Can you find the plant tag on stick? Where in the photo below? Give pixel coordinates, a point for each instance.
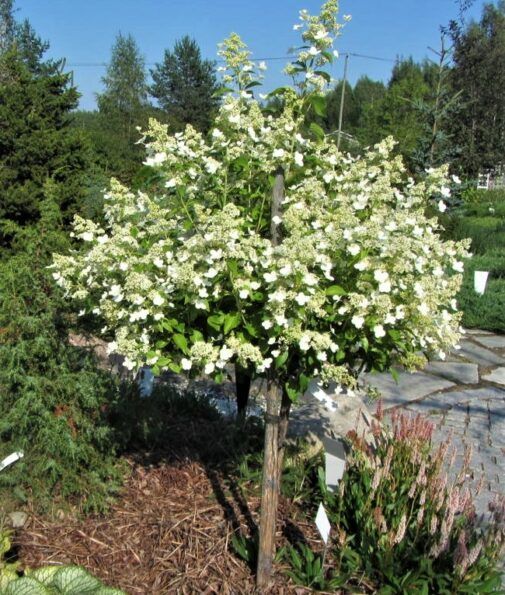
(322, 523)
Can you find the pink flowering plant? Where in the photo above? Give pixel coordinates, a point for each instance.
(405, 525)
(266, 247)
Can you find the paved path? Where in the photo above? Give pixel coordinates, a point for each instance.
(464, 395)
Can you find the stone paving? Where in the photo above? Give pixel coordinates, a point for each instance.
(465, 396)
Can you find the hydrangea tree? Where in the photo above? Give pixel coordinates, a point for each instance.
(266, 247)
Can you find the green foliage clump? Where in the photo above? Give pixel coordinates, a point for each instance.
(53, 398)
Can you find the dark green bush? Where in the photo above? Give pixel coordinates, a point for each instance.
(486, 233)
(476, 196)
(53, 398)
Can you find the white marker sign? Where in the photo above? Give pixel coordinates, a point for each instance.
(12, 458)
(480, 281)
(323, 524)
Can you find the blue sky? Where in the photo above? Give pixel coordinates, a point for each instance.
(83, 31)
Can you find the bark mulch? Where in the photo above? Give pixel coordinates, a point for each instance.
(169, 532)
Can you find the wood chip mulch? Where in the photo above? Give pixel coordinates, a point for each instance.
(169, 532)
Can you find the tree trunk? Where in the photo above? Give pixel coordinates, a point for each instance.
(283, 429)
(270, 487)
(242, 388)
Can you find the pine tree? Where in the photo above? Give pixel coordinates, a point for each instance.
(184, 85)
(36, 144)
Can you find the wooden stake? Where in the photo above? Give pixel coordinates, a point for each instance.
(271, 473)
(270, 487)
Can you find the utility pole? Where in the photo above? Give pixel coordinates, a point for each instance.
(342, 98)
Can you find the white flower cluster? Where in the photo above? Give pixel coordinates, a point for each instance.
(189, 279)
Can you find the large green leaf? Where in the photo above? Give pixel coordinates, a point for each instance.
(45, 574)
(231, 321)
(27, 586)
(181, 342)
(215, 321)
(335, 290)
(317, 131)
(73, 580)
(319, 104)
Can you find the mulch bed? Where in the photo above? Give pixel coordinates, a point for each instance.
(169, 532)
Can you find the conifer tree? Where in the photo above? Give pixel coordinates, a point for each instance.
(122, 107)
(36, 140)
(185, 85)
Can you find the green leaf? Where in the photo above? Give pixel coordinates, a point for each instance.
(395, 375)
(253, 84)
(169, 324)
(222, 91)
(215, 321)
(324, 75)
(319, 104)
(281, 359)
(317, 131)
(27, 586)
(161, 344)
(233, 267)
(279, 91)
(73, 580)
(45, 574)
(181, 342)
(291, 392)
(231, 321)
(335, 290)
(196, 336)
(251, 330)
(174, 367)
(303, 383)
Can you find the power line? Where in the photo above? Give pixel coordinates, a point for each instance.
(266, 59)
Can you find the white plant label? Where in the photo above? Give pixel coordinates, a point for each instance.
(480, 281)
(323, 523)
(12, 458)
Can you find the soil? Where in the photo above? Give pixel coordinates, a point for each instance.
(169, 532)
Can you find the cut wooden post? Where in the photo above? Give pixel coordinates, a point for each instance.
(275, 402)
(270, 487)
